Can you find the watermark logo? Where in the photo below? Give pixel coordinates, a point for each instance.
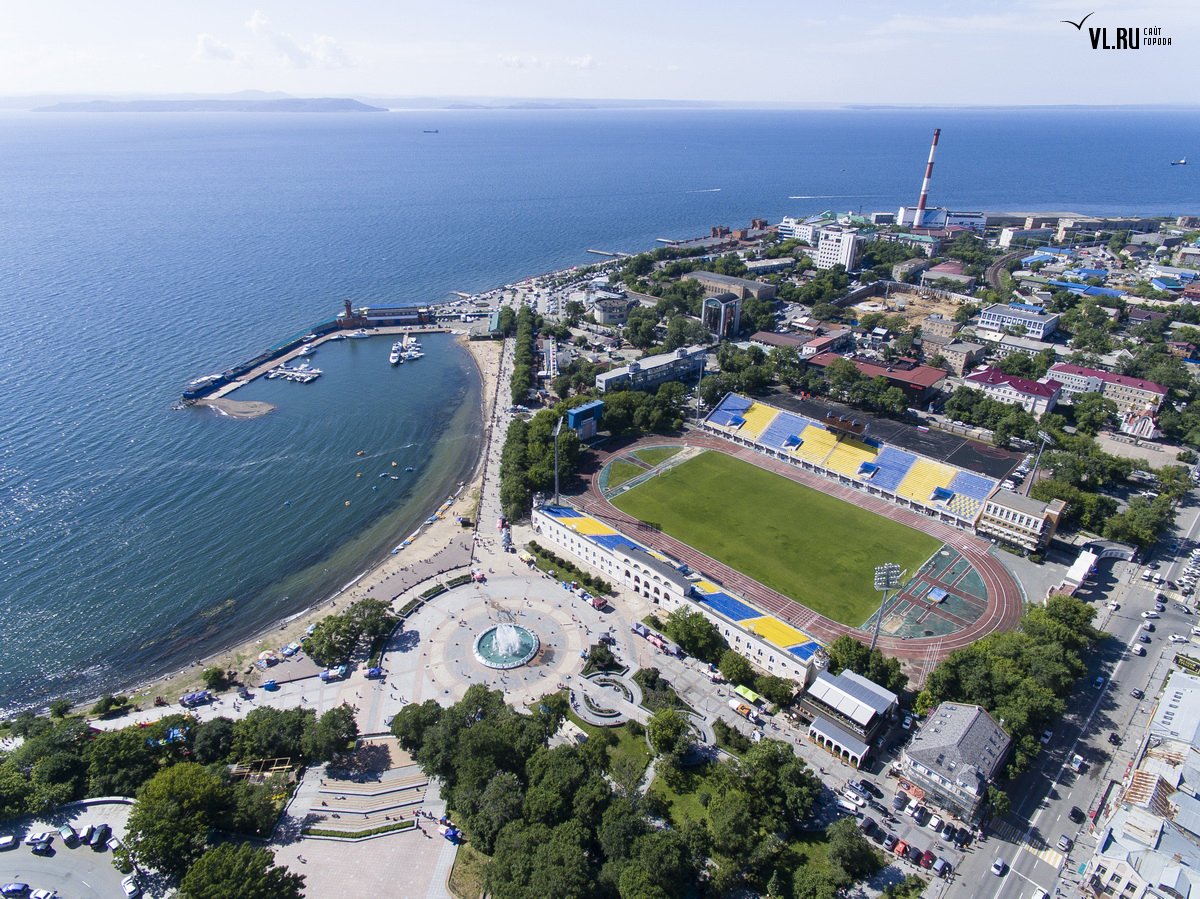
(1122, 38)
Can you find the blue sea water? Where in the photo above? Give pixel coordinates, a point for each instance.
(140, 251)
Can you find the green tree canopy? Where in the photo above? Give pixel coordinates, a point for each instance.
(241, 871)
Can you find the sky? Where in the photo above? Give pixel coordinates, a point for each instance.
(1008, 52)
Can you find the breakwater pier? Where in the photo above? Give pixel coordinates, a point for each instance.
(366, 321)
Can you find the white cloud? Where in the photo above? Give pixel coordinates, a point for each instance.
(209, 48)
(582, 62)
(514, 61)
(257, 21)
(322, 52)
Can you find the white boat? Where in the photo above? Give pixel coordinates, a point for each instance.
(413, 354)
(307, 350)
(395, 357)
(360, 334)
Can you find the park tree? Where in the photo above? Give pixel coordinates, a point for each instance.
(640, 327)
(848, 653)
(553, 776)
(813, 883)
(119, 762)
(683, 330)
(731, 821)
(212, 740)
(241, 871)
(169, 825)
(215, 678)
(850, 851)
(486, 812)
(667, 731)
(1092, 412)
(695, 634)
(735, 668)
(270, 733)
(335, 731)
(60, 708)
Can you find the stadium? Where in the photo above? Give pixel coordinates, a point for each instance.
(841, 501)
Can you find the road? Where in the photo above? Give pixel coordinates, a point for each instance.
(1043, 797)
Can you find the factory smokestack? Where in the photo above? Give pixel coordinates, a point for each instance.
(919, 218)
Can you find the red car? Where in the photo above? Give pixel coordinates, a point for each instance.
(928, 859)
(901, 849)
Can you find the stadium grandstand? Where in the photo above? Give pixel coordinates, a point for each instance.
(839, 448)
(771, 644)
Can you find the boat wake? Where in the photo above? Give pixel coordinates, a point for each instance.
(706, 190)
(833, 197)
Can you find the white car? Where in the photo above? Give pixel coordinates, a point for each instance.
(131, 888)
(1138, 650)
(8, 842)
(1150, 614)
(35, 838)
(907, 723)
(1178, 638)
(1115, 606)
(43, 894)
(999, 866)
(935, 824)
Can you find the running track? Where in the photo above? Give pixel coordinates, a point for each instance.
(1004, 597)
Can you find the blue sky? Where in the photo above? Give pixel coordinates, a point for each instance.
(853, 51)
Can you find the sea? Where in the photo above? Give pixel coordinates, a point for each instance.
(140, 251)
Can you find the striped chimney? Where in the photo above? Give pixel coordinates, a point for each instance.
(919, 218)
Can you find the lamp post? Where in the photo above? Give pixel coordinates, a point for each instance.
(887, 577)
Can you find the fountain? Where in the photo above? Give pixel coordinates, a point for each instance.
(506, 645)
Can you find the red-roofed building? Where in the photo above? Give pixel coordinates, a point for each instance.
(1130, 394)
(1038, 397)
(919, 382)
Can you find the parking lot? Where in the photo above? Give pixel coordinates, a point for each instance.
(74, 871)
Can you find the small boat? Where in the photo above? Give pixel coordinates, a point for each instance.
(307, 350)
(408, 469)
(1180, 162)
(360, 334)
(394, 477)
(338, 336)
(434, 131)
(396, 357)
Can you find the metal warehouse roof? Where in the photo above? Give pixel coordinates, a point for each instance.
(857, 698)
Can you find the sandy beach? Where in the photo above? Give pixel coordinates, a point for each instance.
(439, 547)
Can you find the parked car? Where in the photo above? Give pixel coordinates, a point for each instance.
(14, 889)
(1178, 638)
(1138, 650)
(68, 834)
(935, 823)
(907, 723)
(1098, 683)
(1136, 693)
(41, 837)
(901, 848)
(131, 888)
(43, 894)
(1064, 843)
(889, 842)
(915, 855)
(941, 867)
(100, 837)
(1047, 737)
(899, 802)
(1076, 763)
(1143, 638)
(927, 859)
(867, 824)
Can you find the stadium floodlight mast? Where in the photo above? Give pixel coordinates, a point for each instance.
(887, 577)
(1045, 438)
(557, 431)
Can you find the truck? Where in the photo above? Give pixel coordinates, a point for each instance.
(744, 710)
(1076, 763)
(333, 673)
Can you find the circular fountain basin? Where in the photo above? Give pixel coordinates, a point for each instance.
(506, 646)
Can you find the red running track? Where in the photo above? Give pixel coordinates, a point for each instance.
(1004, 598)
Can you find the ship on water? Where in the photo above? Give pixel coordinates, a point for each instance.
(1182, 161)
(397, 355)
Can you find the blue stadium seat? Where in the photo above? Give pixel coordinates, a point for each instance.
(731, 608)
(730, 408)
(894, 465)
(781, 431)
(972, 485)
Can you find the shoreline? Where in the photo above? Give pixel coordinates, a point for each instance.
(428, 542)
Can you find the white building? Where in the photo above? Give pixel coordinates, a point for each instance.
(1038, 397)
(839, 246)
(647, 373)
(1034, 322)
(807, 230)
(652, 575)
(1130, 394)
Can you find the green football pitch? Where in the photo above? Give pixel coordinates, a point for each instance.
(819, 551)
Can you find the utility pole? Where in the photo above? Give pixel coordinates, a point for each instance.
(1045, 438)
(887, 577)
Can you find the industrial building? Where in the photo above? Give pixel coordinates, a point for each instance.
(715, 284)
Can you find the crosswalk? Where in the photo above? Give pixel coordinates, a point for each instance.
(1012, 834)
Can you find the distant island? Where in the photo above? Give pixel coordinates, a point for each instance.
(287, 104)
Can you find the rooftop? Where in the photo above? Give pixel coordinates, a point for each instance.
(961, 743)
(1018, 501)
(993, 377)
(1108, 377)
(851, 695)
